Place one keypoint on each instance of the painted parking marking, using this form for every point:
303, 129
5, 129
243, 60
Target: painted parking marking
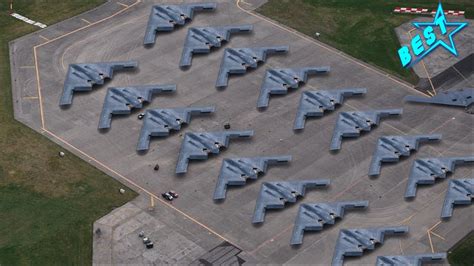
333, 50
30, 97
29, 21
89, 157
426, 70
122, 4
44, 38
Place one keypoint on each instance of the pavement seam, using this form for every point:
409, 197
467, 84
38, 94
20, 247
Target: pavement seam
43, 127
331, 49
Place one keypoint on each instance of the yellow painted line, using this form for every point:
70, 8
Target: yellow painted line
340, 53
122, 4
460, 73
86, 21
333, 50
246, 3
435, 150
386, 124
27, 67
312, 244
434, 226
270, 240
454, 144
429, 232
30, 97
394, 128
352, 60
347, 104
431, 242
92, 24
426, 71
42, 37
90, 158
62, 56
405, 221
152, 202
353, 184
353, 107
60, 37
428, 75
38, 86
435, 234
443, 124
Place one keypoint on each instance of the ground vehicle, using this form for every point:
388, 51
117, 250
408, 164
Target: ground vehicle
167, 196
148, 243
173, 193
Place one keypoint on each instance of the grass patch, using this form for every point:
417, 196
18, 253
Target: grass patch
462, 254
47, 203
362, 29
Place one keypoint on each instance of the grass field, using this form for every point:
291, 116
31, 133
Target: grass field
462, 254
47, 203
362, 29
365, 30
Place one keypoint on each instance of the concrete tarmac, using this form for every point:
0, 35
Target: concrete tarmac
115, 33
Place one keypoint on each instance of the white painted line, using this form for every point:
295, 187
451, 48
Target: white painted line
44, 38
415, 10
29, 21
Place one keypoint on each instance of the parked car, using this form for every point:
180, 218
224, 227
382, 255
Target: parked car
140, 116
167, 196
149, 245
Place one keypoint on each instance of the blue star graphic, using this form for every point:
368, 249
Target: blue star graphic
440, 21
